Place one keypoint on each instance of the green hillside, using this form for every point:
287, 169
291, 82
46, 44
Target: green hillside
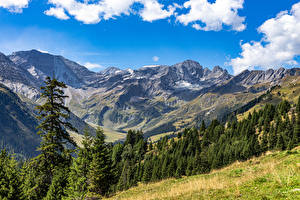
289, 90
275, 175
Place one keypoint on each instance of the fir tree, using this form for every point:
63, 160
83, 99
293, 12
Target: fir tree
101, 174
78, 177
53, 127
59, 182
10, 184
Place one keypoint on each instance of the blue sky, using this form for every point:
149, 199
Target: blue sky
241, 35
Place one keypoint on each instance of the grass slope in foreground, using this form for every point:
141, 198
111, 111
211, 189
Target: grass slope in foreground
272, 176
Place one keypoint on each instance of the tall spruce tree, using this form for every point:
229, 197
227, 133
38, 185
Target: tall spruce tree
53, 115
78, 176
101, 174
10, 183
296, 133
56, 145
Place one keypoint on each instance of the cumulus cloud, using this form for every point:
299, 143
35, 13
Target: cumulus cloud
212, 16
154, 11
155, 58
201, 14
92, 12
58, 13
14, 5
279, 46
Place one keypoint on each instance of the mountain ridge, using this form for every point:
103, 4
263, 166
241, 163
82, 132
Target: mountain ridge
149, 98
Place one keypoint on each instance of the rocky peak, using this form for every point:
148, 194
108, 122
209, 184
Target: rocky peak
111, 71
40, 65
188, 64
217, 69
3, 58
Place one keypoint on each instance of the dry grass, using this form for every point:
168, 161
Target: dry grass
273, 176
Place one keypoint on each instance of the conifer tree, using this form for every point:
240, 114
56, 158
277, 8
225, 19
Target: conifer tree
78, 177
10, 184
101, 173
56, 145
280, 142
53, 115
296, 134
59, 182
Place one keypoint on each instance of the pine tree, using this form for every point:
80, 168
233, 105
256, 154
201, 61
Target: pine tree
101, 174
78, 177
280, 142
148, 168
202, 128
53, 127
10, 184
56, 145
296, 134
59, 182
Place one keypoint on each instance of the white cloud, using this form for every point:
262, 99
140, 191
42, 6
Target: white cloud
155, 58
154, 11
58, 13
93, 66
212, 16
92, 12
14, 5
279, 46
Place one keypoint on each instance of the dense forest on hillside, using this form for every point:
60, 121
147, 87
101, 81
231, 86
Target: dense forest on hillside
98, 169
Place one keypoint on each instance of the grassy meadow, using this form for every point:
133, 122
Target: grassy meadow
275, 175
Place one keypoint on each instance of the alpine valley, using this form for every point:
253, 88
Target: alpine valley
158, 100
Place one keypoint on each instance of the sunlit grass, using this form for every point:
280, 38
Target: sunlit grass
272, 176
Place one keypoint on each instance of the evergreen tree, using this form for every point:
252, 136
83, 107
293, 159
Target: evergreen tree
296, 134
53, 127
280, 142
59, 182
78, 177
10, 184
56, 145
202, 128
148, 168
101, 174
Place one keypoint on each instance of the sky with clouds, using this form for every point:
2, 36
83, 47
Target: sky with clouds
234, 34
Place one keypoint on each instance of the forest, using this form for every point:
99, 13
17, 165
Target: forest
64, 170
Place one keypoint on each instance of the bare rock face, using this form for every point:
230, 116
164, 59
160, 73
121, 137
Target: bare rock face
17, 79
41, 65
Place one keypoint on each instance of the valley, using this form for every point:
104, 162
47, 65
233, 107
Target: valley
154, 99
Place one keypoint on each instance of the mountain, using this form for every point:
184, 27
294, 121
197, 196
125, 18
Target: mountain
16, 78
155, 99
40, 65
17, 124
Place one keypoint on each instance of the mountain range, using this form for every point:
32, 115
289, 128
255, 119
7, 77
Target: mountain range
156, 99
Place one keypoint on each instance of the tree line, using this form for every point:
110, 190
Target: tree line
64, 170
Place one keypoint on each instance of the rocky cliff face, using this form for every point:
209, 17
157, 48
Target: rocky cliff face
40, 65
148, 98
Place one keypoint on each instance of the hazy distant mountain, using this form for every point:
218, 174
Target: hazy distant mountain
152, 98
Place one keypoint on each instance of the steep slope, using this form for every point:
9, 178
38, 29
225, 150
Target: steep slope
275, 175
17, 124
289, 90
40, 65
17, 79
